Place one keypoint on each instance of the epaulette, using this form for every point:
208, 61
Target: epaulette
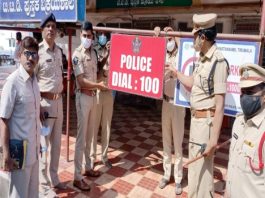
79, 48
219, 56
41, 45
239, 114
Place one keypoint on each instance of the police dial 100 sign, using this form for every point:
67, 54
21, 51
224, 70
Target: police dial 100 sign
137, 65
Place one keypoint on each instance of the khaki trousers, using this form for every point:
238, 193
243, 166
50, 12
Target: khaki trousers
49, 160
25, 183
86, 114
104, 116
172, 127
200, 173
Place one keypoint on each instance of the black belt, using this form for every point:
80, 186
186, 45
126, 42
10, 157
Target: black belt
167, 98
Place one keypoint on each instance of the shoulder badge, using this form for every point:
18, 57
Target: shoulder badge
75, 60
245, 74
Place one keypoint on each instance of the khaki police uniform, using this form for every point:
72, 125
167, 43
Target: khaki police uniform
172, 124
105, 101
20, 104
242, 180
50, 80
200, 173
84, 62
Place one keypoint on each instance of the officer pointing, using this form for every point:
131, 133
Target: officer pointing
208, 88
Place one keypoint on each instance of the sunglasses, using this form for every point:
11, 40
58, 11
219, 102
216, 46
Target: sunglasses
29, 54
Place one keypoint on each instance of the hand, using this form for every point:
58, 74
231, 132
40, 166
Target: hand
210, 149
108, 45
8, 164
168, 29
102, 86
157, 31
172, 70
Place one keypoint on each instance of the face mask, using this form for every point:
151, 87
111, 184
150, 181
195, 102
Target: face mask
86, 42
197, 44
102, 40
250, 105
171, 45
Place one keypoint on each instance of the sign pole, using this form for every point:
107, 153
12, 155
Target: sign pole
68, 92
262, 31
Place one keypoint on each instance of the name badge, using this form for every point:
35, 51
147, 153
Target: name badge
49, 60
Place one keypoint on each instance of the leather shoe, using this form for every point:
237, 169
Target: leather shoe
178, 189
60, 186
91, 173
81, 185
107, 164
163, 183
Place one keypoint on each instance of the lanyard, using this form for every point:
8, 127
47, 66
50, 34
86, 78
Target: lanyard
261, 163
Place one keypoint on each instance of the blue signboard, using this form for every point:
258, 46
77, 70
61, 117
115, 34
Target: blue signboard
236, 53
35, 10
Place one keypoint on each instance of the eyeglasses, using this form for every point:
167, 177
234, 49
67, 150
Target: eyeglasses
29, 54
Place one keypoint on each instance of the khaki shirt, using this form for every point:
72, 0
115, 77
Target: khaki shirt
20, 104
49, 71
200, 99
169, 81
102, 53
85, 62
242, 181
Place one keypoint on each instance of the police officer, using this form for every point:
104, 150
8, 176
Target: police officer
172, 120
246, 175
105, 98
208, 88
50, 80
85, 69
19, 120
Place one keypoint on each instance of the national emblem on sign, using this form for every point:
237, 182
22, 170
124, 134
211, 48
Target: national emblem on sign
136, 44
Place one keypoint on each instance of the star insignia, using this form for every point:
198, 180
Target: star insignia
245, 74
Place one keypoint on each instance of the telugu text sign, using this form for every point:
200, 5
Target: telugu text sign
35, 10
137, 65
236, 52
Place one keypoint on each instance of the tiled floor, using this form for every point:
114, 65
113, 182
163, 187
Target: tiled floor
136, 154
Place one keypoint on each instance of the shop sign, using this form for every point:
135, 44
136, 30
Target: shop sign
36, 10
236, 53
137, 65
141, 3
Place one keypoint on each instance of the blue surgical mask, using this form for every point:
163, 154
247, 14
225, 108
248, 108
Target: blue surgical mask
102, 40
250, 105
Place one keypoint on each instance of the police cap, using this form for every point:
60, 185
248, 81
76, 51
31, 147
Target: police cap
203, 21
49, 17
251, 75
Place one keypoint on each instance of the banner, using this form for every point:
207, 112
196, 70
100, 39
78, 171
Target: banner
137, 65
36, 10
236, 52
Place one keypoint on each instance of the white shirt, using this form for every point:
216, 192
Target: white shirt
20, 104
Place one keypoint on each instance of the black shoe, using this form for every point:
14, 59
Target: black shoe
107, 164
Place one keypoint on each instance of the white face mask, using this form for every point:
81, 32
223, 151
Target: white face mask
171, 45
86, 42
